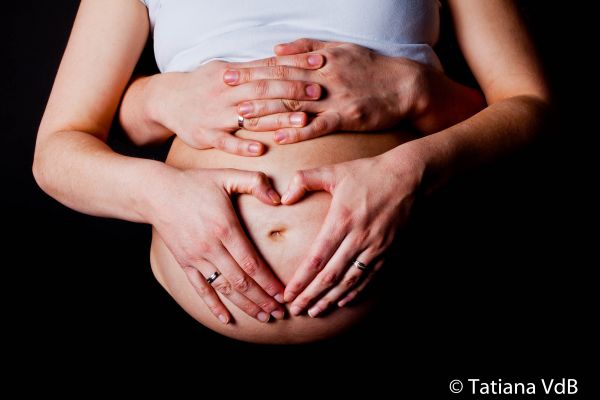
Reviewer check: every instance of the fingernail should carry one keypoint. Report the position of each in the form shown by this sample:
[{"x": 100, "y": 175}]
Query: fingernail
[
  {"x": 276, "y": 200},
  {"x": 254, "y": 148},
  {"x": 315, "y": 59},
  {"x": 246, "y": 109},
  {"x": 342, "y": 303},
  {"x": 277, "y": 314},
  {"x": 231, "y": 76},
  {"x": 313, "y": 312},
  {"x": 263, "y": 316},
  {"x": 297, "y": 119},
  {"x": 280, "y": 136},
  {"x": 223, "y": 319},
  {"x": 279, "y": 298},
  {"x": 312, "y": 91},
  {"x": 295, "y": 310},
  {"x": 285, "y": 198}
]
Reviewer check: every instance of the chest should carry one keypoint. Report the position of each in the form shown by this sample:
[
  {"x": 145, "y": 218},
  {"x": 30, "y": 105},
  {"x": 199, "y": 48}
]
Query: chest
[{"x": 407, "y": 21}]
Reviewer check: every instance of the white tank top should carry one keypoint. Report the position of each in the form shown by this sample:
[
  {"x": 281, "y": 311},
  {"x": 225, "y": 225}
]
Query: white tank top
[{"x": 189, "y": 33}]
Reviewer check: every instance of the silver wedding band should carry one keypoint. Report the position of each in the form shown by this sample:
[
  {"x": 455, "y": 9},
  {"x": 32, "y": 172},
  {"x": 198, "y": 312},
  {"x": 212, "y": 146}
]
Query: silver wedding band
[
  {"x": 241, "y": 121},
  {"x": 213, "y": 277},
  {"x": 361, "y": 266}
]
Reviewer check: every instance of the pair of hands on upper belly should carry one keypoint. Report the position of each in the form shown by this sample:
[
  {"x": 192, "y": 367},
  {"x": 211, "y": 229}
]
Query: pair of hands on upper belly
[{"x": 311, "y": 89}]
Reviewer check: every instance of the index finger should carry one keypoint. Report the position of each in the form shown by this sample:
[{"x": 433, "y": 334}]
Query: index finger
[
  {"x": 328, "y": 240},
  {"x": 245, "y": 255},
  {"x": 304, "y": 60}
]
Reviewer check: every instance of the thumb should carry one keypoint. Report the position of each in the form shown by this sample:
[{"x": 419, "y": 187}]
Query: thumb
[
  {"x": 249, "y": 182},
  {"x": 299, "y": 46},
  {"x": 309, "y": 180}
]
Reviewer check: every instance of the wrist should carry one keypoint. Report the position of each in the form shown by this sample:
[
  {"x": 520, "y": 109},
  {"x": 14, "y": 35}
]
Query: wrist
[
  {"x": 411, "y": 165},
  {"x": 152, "y": 199},
  {"x": 413, "y": 90},
  {"x": 405, "y": 167},
  {"x": 156, "y": 98},
  {"x": 153, "y": 99}
]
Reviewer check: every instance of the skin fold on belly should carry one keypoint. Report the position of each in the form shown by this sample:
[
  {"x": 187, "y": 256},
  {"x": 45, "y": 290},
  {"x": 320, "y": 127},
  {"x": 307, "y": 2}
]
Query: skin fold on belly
[{"x": 281, "y": 234}]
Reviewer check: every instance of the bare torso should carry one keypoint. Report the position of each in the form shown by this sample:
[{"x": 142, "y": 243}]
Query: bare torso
[{"x": 282, "y": 234}]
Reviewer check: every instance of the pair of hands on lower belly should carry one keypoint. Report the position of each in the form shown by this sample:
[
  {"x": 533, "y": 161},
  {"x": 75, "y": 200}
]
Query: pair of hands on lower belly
[{"x": 310, "y": 89}]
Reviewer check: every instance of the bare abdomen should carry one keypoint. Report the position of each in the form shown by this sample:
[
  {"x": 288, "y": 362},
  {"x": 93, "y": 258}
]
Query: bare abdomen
[{"x": 282, "y": 234}]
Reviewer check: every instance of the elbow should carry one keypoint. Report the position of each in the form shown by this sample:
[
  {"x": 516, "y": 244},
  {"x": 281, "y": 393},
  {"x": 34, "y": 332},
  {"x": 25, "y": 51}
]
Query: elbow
[
  {"x": 541, "y": 107},
  {"x": 38, "y": 171},
  {"x": 144, "y": 141},
  {"x": 41, "y": 168}
]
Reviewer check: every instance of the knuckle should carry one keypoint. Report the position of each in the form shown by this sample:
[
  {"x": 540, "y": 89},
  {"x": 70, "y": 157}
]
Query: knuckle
[
  {"x": 298, "y": 178},
  {"x": 259, "y": 178},
  {"x": 215, "y": 309},
  {"x": 294, "y": 288},
  {"x": 241, "y": 284},
  {"x": 220, "y": 142},
  {"x": 267, "y": 305},
  {"x": 329, "y": 279},
  {"x": 245, "y": 75},
  {"x": 316, "y": 263},
  {"x": 356, "y": 112},
  {"x": 293, "y": 136},
  {"x": 291, "y": 105},
  {"x": 222, "y": 231},
  {"x": 251, "y": 122},
  {"x": 320, "y": 125},
  {"x": 353, "y": 46},
  {"x": 249, "y": 264},
  {"x": 200, "y": 249},
  {"x": 223, "y": 287},
  {"x": 187, "y": 259},
  {"x": 281, "y": 72},
  {"x": 240, "y": 147},
  {"x": 302, "y": 301},
  {"x": 361, "y": 238},
  {"x": 271, "y": 62},
  {"x": 283, "y": 121},
  {"x": 350, "y": 281},
  {"x": 335, "y": 52},
  {"x": 260, "y": 107},
  {"x": 270, "y": 288},
  {"x": 203, "y": 290},
  {"x": 262, "y": 88},
  {"x": 345, "y": 215},
  {"x": 294, "y": 89},
  {"x": 352, "y": 295},
  {"x": 250, "y": 308}
]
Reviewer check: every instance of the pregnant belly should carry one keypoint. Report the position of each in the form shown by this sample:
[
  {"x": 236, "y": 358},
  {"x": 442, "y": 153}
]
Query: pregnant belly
[{"x": 282, "y": 234}]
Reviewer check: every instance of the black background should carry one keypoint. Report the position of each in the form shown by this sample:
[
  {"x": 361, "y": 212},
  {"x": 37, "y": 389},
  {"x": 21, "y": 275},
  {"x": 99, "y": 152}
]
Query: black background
[{"x": 495, "y": 282}]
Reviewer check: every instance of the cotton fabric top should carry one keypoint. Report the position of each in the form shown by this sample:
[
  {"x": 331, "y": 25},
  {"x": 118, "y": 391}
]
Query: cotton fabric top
[{"x": 189, "y": 33}]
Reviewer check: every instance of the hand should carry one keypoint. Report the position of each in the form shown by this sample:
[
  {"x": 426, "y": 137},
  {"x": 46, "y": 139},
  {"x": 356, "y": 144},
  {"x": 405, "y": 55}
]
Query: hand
[
  {"x": 371, "y": 200},
  {"x": 365, "y": 91},
  {"x": 202, "y": 110},
  {"x": 193, "y": 213}
]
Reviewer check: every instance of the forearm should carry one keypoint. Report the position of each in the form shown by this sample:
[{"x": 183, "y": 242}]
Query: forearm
[
  {"x": 82, "y": 172},
  {"x": 498, "y": 130},
  {"x": 136, "y": 114}
]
